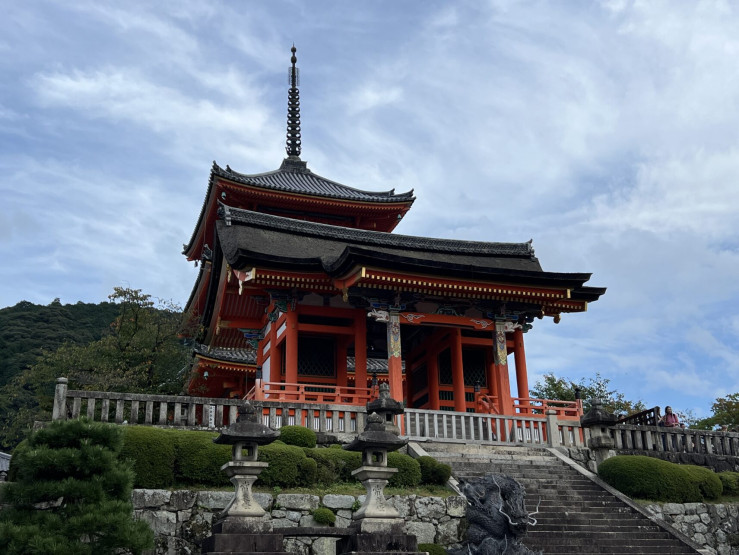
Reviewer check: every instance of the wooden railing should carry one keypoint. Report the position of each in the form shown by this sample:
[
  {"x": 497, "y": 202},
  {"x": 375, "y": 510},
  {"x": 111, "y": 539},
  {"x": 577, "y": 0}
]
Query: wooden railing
[
  {"x": 676, "y": 440},
  {"x": 649, "y": 417},
  {"x": 310, "y": 393}
]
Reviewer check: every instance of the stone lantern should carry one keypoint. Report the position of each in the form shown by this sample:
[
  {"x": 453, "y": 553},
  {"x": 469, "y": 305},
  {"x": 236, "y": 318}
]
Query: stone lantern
[
  {"x": 387, "y": 408},
  {"x": 599, "y": 421},
  {"x": 245, "y": 436}
]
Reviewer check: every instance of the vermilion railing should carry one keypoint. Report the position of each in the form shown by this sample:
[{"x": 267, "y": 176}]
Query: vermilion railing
[
  {"x": 536, "y": 408},
  {"x": 310, "y": 393}
]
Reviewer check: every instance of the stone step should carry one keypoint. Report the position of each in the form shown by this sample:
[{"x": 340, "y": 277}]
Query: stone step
[{"x": 575, "y": 515}]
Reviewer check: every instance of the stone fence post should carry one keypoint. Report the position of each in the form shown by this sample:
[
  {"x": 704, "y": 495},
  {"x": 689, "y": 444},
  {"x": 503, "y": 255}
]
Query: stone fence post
[
  {"x": 552, "y": 429},
  {"x": 60, "y": 400}
]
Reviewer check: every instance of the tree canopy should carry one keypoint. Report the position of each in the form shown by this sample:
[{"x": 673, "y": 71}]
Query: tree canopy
[
  {"x": 563, "y": 389},
  {"x": 141, "y": 351},
  {"x": 725, "y": 413},
  {"x": 27, "y": 329}
]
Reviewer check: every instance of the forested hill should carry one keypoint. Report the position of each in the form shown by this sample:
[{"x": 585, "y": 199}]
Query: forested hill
[{"x": 26, "y": 329}]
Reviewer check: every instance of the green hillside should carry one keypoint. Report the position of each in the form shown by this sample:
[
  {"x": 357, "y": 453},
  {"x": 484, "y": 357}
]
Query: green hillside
[{"x": 26, "y": 329}]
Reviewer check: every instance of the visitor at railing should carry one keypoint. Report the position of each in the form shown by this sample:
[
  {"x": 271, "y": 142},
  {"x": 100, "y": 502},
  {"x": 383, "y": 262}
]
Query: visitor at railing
[{"x": 670, "y": 419}]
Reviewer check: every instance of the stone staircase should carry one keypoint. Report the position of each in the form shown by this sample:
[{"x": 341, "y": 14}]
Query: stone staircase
[{"x": 576, "y": 514}]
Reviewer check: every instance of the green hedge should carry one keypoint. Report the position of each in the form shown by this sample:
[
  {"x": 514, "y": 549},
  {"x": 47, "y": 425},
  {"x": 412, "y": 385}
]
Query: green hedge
[
  {"x": 334, "y": 465},
  {"x": 324, "y": 515},
  {"x": 707, "y": 480},
  {"x": 152, "y": 454},
  {"x": 288, "y": 466},
  {"x": 730, "y": 482},
  {"x": 654, "y": 479},
  {"x": 434, "y": 472},
  {"x": 198, "y": 460},
  {"x": 298, "y": 436},
  {"x": 162, "y": 458},
  {"x": 409, "y": 471}
]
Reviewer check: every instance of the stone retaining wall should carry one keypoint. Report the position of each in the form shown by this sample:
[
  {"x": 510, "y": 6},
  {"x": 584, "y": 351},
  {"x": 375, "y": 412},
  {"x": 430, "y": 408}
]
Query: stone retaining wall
[
  {"x": 714, "y": 526},
  {"x": 182, "y": 519}
]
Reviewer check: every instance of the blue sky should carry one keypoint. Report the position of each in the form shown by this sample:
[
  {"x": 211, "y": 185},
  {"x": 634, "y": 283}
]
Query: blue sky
[{"x": 606, "y": 132}]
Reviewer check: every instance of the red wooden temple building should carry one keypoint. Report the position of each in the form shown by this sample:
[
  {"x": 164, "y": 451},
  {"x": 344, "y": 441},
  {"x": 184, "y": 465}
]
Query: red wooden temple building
[{"x": 304, "y": 293}]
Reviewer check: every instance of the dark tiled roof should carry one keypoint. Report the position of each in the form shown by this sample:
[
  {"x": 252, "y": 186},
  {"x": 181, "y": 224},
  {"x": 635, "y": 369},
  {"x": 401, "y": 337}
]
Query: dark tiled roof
[
  {"x": 244, "y": 356},
  {"x": 295, "y": 177},
  {"x": 240, "y": 356},
  {"x": 373, "y": 238}
]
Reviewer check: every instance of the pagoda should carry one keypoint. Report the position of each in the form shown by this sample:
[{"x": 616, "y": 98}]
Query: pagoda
[{"x": 305, "y": 294}]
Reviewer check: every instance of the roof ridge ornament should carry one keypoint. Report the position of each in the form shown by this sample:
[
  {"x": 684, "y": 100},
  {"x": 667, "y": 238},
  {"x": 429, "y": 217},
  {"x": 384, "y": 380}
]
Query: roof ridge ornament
[{"x": 293, "y": 109}]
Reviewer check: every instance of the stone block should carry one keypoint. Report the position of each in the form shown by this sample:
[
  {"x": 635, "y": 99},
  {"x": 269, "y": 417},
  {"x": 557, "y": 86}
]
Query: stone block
[
  {"x": 214, "y": 500},
  {"x": 673, "y": 509},
  {"x": 700, "y": 528},
  {"x": 447, "y": 532},
  {"x": 323, "y": 546},
  {"x": 343, "y": 521},
  {"x": 691, "y": 519},
  {"x": 145, "y": 498},
  {"x": 401, "y": 504},
  {"x": 279, "y": 513},
  {"x": 333, "y": 501},
  {"x": 430, "y": 508},
  {"x": 299, "y": 501},
  {"x": 163, "y": 523},
  {"x": 197, "y": 528},
  {"x": 297, "y": 545},
  {"x": 425, "y": 532},
  {"x": 284, "y": 523},
  {"x": 293, "y": 515},
  {"x": 307, "y": 521},
  {"x": 692, "y": 508},
  {"x": 456, "y": 506},
  {"x": 182, "y": 499},
  {"x": 705, "y": 518},
  {"x": 264, "y": 500}
]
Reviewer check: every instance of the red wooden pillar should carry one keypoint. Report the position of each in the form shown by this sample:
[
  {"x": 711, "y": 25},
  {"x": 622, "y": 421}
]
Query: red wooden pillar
[
  {"x": 505, "y": 403},
  {"x": 460, "y": 404},
  {"x": 519, "y": 355},
  {"x": 394, "y": 360},
  {"x": 360, "y": 350},
  {"x": 432, "y": 366},
  {"x": 291, "y": 347},
  {"x": 275, "y": 357}
]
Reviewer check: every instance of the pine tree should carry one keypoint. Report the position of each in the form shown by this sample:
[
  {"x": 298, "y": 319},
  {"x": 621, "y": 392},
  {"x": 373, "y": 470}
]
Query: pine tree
[{"x": 71, "y": 495}]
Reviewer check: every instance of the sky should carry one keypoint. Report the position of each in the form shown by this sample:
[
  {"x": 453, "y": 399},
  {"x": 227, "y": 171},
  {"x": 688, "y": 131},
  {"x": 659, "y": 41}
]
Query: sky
[{"x": 607, "y": 132}]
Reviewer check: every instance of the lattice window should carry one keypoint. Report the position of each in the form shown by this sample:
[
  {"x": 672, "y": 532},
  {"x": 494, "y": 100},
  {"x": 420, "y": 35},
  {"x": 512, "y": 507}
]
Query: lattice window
[
  {"x": 469, "y": 397},
  {"x": 446, "y": 396},
  {"x": 474, "y": 367},
  {"x": 445, "y": 367},
  {"x": 316, "y": 356}
]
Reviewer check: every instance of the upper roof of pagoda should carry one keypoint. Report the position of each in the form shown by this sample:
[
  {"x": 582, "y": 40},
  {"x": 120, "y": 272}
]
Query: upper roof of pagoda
[
  {"x": 294, "y": 188},
  {"x": 293, "y": 176}
]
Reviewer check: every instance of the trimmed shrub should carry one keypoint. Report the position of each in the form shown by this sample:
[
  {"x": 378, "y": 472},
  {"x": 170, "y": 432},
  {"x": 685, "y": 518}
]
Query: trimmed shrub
[
  {"x": 298, "y": 436},
  {"x": 730, "y": 482},
  {"x": 324, "y": 515},
  {"x": 152, "y": 455},
  {"x": 706, "y": 479},
  {"x": 288, "y": 466},
  {"x": 409, "y": 471},
  {"x": 334, "y": 465},
  {"x": 650, "y": 478},
  {"x": 434, "y": 472},
  {"x": 198, "y": 460},
  {"x": 432, "y": 548},
  {"x": 71, "y": 468}
]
